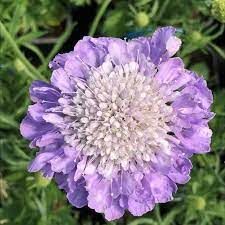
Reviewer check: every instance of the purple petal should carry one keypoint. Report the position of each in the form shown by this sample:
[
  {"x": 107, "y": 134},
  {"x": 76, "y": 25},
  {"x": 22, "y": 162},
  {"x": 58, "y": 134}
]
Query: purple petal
[
  {"x": 172, "y": 74},
  {"x": 89, "y": 53},
  {"x": 139, "y": 47},
  {"x": 62, "y": 164},
  {"x": 49, "y": 138},
  {"x": 31, "y": 129},
  {"x": 41, "y": 91},
  {"x": 41, "y": 159},
  {"x": 78, "y": 197},
  {"x": 127, "y": 183},
  {"x": 164, "y": 44},
  {"x": 47, "y": 172},
  {"x": 60, "y": 59},
  {"x": 61, "y": 180},
  {"x": 80, "y": 168},
  {"x": 61, "y": 80},
  {"x": 99, "y": 197},
  {"x": 162, "y": 187},
  {"x": 141, "y": 201},
  {"x": 118, "y": 51},
  {"x": 76, "y": 68},
  {"x": 196, "y": 138},
  {"x": 114, "y": 211},
  {"x": 180, "y": 171}
]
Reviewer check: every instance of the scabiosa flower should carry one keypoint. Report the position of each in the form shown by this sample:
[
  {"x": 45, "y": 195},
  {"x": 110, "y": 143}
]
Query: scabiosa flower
[{"x": 118, "y": 122}]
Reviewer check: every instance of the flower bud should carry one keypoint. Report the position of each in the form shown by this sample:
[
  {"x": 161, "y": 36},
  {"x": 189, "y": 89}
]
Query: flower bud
[
  {"x": 199, "y": 203},
  {"x": 41, "y": 181},
  {"x": 218, "y": 10},
  {"x": 19, "y": 65},
  {"x": 142, "y": 19},
  {"x": 196, "y": 36}
]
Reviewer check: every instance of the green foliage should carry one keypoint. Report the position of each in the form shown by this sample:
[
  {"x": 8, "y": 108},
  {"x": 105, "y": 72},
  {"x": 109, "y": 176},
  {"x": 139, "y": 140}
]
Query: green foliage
[
  {"x": 32, "y": 32},
  {"x": 115, "y": 24}
]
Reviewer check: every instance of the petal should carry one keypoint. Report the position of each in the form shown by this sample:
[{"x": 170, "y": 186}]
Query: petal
[
  {"x": 31, "y": 129},
  {"x": 138, "y": 47},
  {"x": 189, "y": 110},
  {"x": 42, "y": 91},
  {"x": 62, "y": 164},
  {"x": 61, "y": 80},
  {"x": 173, "y": 45},
  {"x": 114, "y": 211},
  {"x": 123, "y": 201},
  {"x": 54, "y": 118},
  {"x": 50, "y": 137},
  {"x": 127, "y": 183},
  {"x": 89, "y": 53},
  {"x": 118, "y": 51},
  {"x": 164, "y": 44},
  {"x": 61, "y": 180},
  {"x": 196, "y": 138},
  {"x": 172, "y": 74},
  {"x": 41, "y": 159},
  {"x": 202, "y": 93},
  {"x": 141, "y": 201},
  {"x": 99, "y": 197},
  {"x": 36, "y": 111},
  {"x": 78, "y": 197},
  {"x": 75, "y": 68},
  {"x": 60, "y": 59},
  {"x": 80, "y": 168},
  {"x": 47, "y": 172},
  {"x": 162, "y": 187},
  {"x": 180, "y": 170}
]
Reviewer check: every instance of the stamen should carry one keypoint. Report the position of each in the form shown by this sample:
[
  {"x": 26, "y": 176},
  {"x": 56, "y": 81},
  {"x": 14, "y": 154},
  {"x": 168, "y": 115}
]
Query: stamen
[{"x": 123, "y": 115}]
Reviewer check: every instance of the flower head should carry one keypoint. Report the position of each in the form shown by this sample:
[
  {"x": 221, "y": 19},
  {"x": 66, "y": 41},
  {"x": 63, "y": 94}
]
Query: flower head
[{"x": 118, "y": 122}]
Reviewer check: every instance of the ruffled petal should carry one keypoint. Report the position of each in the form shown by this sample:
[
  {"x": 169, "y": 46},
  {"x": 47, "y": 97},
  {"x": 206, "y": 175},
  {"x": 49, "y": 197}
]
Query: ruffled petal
[
  {"x": 32, "y": 129},
  {"x": 164, "y": 44},
  {"x": 115, "y": 211},
  {"x": 162, "y": 187},
  {"x": 77, "y": 69},
  {"x": 62, "y": 81},
  {"x": 42, "y": 159},
  {"x": 78, "y": 195},
  {"x": 99, "y": 197},
  {"x": 172, "y": 74},
  {"x": 47, "y": 172},
  {"x": 180, "y": 170},
  {"x": 89, "y": 53},
  {"x": 60, "y": 59},
  {"x": 118, "y": 51},
  {"x": 42, "y": 91},
  {"x": 196, "y": 139},
  {"x": 139, "y": 47},
  {"x": 141, "y": 201}
]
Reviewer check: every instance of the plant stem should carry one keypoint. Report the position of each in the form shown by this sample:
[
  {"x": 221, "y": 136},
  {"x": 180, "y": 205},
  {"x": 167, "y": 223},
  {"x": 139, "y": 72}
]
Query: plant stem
[
  {"x": 98, "y": 17},
  {"x": 60, "y": 42},
  {"x": 162, "y": 9},
  {"x": 34, "y": 74},
  {"x": 158, "y": 215}
]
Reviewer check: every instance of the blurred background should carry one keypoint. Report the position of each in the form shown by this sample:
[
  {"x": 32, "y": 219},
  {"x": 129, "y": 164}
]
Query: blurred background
[{"x": 32, "y": 32}]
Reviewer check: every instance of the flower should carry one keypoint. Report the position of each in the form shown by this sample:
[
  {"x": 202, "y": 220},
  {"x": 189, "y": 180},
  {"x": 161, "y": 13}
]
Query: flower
[
  {"x": 218, "y": 10},
  {"x": 118, "y": 122}
]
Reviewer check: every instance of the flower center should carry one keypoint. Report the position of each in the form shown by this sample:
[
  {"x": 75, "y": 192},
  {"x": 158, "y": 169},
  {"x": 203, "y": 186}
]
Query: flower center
[{"x": 118, "y": 117}]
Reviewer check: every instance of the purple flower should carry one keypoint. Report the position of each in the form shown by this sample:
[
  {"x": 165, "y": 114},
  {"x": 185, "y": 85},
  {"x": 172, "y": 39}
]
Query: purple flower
[{"x": 118, "y": 122}]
